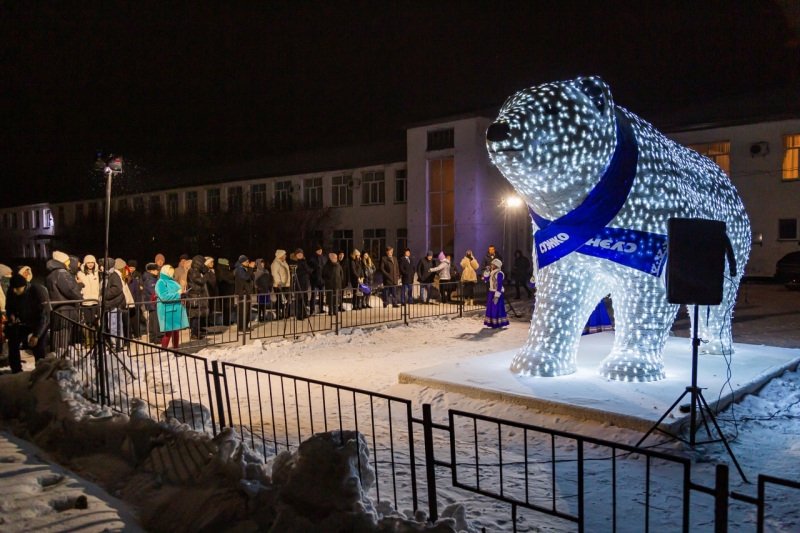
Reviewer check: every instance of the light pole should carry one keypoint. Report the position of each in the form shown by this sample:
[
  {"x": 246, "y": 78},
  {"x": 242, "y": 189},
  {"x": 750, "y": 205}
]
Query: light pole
[
  {"x": 513, "y": 202},
  {"x": 111, "y": 169}
]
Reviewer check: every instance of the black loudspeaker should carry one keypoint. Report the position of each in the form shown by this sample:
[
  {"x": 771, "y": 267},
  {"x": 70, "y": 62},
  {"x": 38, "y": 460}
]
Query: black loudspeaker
[{"x": 696, "y": 250}]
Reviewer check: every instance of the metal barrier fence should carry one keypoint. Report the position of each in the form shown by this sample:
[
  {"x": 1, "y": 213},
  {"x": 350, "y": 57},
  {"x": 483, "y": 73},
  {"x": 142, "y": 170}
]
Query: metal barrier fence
[{"x": 572, "y": 479}]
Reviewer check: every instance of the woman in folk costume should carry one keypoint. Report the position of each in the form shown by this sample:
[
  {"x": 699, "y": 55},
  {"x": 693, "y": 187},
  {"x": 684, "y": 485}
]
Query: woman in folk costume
[{"x": 496, "y": 316}]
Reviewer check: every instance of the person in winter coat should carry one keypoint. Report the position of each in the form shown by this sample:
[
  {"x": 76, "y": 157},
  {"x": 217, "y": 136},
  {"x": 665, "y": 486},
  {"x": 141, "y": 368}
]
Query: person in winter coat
[
  {"x": 226, "y": 288},
  {"x": 211, "y": 285},
  {"x": 369, "y": 274},
  {"x": 425, "y": 276},
  {"x": 469, "y": 277},
  {"x": 490, "y": 256},
  {"x": 496, "y": 316},
  {"x": 112, "y": 286},
  {"x": 197, "y": 296},
  {"x": 316, "y": 263},
  {"x": 181, "y": 271},
  {"x": 390, "y": 269},
  {"x": 520, "y": 273},
  {"x": 443, "y": 269},
  {"x": 407, "y": 273},
  {"x": 62, "y": 286},
  {"x": 343, "y": 262},
  {"x": 281, "y": 282},
  {"x": 149, "y": 280},
  {"x": 243, "y": 275},
  {"x": 334, "y": 283},
  {"x": 171, "y": 312},
  {"x": 302, "y": 282},
  {"x": 5, "y": 280},
  {"x": 135, "y": 314},
  {"x": 27, "y": 320},
  {"x": 26, "y": 273},
  {"x": 88, "y": 275},
  {"x": 124, "y": 329},
  {"x": 356, "y": 275},
  {"x": 263, "y": 285}
]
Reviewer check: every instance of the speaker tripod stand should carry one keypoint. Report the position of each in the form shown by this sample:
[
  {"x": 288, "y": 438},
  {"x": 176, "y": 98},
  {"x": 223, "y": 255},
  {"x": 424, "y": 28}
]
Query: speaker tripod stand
[{"x": 698, "y": 404}]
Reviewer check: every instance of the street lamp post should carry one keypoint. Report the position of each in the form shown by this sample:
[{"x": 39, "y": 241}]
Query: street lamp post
[{"x": 513, "y": 202}]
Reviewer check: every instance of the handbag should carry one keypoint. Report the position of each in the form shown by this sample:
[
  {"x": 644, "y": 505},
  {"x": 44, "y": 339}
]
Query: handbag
[{"x": 364, "y": 288}]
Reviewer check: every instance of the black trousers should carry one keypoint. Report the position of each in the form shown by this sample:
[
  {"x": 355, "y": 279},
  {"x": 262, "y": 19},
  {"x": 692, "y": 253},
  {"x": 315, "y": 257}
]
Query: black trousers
[
  {"x": 18, "y": 337},
  {"x": 332, "y": 301}
]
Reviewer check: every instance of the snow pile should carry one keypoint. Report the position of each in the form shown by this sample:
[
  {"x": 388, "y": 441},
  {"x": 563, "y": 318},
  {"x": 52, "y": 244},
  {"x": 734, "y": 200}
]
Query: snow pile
[{"x": 183, "y": 479}]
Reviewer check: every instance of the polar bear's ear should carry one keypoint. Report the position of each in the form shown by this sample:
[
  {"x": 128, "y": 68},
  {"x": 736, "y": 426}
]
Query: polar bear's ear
[{"x": 598, "y": 92}]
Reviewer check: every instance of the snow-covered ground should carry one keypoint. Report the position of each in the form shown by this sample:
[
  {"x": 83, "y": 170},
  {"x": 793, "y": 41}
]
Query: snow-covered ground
[{"x": 767, "y": 427}]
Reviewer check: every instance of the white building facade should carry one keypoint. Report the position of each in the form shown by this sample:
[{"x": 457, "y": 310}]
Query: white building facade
[{"x": 445, "y": 195}]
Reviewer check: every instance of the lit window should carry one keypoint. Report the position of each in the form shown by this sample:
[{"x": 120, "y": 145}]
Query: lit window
[
  {"x": 719, "y": 152},
  {"x": 342, "y": 190},
  {"x": 373, "y": 188},
  {"x": 787, "y": 229},
  {"x": 791, "y": 157}
]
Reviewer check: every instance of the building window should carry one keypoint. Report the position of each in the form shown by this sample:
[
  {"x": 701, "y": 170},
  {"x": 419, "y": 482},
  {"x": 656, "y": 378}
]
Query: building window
[
  {"x": 787, "y": 229},
  {"x": 283, "y": 194},
  {"x": 402, "y": 240},
  {"x": 235, "y": 199},
  {"x": 258, "y": 197},
  {"x": 212, "y": 201},
  {"x": 47, "y": 219},
  {"x": 25, "y": 221},
  {"x": 441, "y": 139},
  {"x": 79, "y": 213},
  {"x": 719, "y": 152},
  {"x": 400, "y": 186},
  {"x": 791, "y": 157},
  {"x": 191, "y": 202},
  {"x": 172, "y": 205},
  {"x": 155, "y": 205},
  {"x": 373, "y": 188},
  {"x": 312, "y": 192},
  {"x": 374, "y": 241},
  {"x": 138, "y": 204},
  {"x": 62, "y": 216},
  {"x": 441, "y": 205},
  {"x": 343, "y": 240},
  {"x": 342, "y": 190}
]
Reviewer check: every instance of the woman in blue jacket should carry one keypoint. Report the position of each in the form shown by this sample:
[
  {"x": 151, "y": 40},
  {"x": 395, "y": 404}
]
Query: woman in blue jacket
[{"x": 171, "y": 312}]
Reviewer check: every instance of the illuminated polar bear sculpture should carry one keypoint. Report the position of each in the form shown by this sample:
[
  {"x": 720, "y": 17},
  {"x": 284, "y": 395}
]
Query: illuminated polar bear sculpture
[{"x": 600, "y": 184}]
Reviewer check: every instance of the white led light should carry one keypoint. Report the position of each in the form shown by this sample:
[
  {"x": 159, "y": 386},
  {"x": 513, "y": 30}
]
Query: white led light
[{"x": 562, "y": 138}]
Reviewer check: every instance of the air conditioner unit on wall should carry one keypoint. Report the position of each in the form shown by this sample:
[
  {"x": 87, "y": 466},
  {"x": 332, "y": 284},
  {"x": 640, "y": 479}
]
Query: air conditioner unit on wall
[
  {"x": 759, "y": 149},
  {"x": 354, "y": 183}
]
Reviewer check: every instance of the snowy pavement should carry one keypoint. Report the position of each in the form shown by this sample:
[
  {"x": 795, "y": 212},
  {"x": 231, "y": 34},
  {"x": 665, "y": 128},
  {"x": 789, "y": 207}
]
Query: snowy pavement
[{"x": 38, "y": 495}]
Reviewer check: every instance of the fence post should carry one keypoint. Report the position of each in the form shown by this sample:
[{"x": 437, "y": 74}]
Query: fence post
[
  {"x": 336, "y": 301},
  {"x": 430, "y": 466},
  {"x": 461, "y": 299},
  {"x": 721, "y": 500},
  {"x": 407, "y": 305},
  {"x": 241, "y": 321},
  {"x": 218, "y": 393}
]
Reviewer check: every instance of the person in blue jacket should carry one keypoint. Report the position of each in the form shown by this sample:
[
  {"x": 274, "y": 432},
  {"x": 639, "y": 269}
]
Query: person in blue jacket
[{"x": 171, "y": 311}]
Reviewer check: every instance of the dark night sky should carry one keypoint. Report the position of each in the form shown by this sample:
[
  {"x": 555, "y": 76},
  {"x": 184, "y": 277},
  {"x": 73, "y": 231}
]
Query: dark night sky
[{"x": 172, "y": 87}]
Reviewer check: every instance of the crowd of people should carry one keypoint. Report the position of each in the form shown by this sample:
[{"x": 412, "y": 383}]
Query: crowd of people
[{"x": 161, "y": 300}]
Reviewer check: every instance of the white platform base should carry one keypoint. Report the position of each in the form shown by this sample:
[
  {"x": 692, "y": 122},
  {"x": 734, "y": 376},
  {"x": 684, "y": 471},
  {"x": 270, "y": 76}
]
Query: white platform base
[{"x": 586, "y": 395}]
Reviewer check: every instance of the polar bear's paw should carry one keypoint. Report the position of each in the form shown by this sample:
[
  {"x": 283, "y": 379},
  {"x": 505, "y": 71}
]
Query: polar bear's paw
[
  {"x": 629, "y": 366},
  {"x": 529, "y": 362}
]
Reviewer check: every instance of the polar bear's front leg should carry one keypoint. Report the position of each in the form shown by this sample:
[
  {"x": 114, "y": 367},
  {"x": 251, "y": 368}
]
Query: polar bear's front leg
[
  {"x": 566, "y": 294},
  {"x": 642, "y": 320}
]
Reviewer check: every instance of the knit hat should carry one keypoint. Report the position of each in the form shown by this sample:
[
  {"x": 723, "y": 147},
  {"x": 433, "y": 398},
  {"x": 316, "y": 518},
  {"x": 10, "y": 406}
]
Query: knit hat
[
  {"x": 317, "y": 247},
  {"x": 133, "y": 263},
  {"x": 119, "y": 263},
  {"x": 151, "y": 266},
  {"x": 223, "y": 261},
  {"x": 159, "y": 257},
  {"x": 208, "y": 260},
  {"x": 497, "y": 263},
  {"x": 333, "y": 257},
  {"x": 442, "y": 257},
  {"x": 61, "y": 257},
  {"x": 185, "y": 257},
  {"x": 89, "y": 259},
  {"x": 17, "y": 281},
  {"x": 243, "y": 259},
  {"x": 279, "y": 253},
  {"x": 429, "y": 252},
  {"x": 4, "y": 271},
  {"x": 298, "y": 251},
  {"x": 165, "y": 269},
  {"x": 356, "y": 252}
]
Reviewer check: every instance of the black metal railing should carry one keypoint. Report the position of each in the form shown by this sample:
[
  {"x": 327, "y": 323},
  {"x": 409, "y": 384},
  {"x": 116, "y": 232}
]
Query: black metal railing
[{"x": 571, "y": 480}]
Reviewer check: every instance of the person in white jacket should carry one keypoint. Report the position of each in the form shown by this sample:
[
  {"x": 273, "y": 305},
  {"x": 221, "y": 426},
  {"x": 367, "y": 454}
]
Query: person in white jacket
[
  {"x": 443, "y": 269},
  {"x": 89, "y": 276},
  {"x": 281, "y": 282}
]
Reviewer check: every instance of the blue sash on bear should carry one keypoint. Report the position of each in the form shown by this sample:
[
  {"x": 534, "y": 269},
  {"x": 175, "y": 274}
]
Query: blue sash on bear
[{"x": 584, "y": 228}]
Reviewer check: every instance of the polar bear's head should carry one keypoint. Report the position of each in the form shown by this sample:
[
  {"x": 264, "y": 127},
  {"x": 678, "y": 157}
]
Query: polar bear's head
[{"x": 554, "y": 141}]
